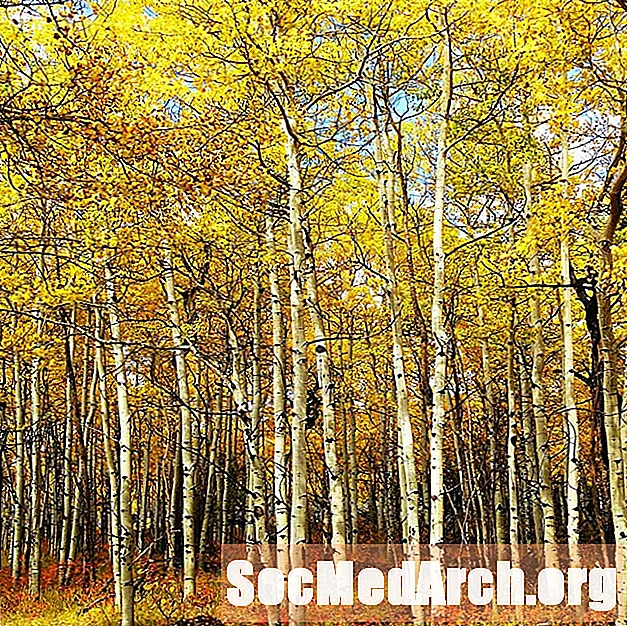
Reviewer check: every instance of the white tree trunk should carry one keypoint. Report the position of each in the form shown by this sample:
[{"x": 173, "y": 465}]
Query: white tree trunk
[
  {"x": 281, "y": 426},
  {"x": 211, "y": 485},
  {"x": 531, "y": 457},
  {"x": 66, "y": 524},
  {"x": 34, "y": 580},
  {"x": 408, "y": 481},
  {"x": 18, "y": 512},
  {"x": 258, "y": 477},
  {"x": 296, "y": 249},
  {"x": 189, "y": 489},
  {"x": 437, "y": 322},
  {"x": 570, "y": 403},
  {"x": 512, "y": 437},
  {"x": 537, "y": 387},
  {"x": 67, "y": 478},
  {"x": 126, "y": 457},
  {"x": 111, "y": 461},
  {"x": 298, "y": 517},
  {"x": 325, "y": 382},
  {"x": 303, "y": 266}
]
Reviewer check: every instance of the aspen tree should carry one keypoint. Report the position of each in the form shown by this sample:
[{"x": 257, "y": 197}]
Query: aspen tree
[
  {"x": 143, "y": 502},
  {"x": 407, "y": 466},
  {"x": 296, "y": 247},
  {"x": 258, "y": 510},
  {"x": 512, "y": 437},
  {"x": 500, "y": 534},
  {"x": 406, "y": 463},
  {"x": 110, "y": 458},
  {"x": 325, "y": 381},
  {"x": 250, "y": 421},
  {"x": 125, "y": 454},
  {"x": 350, "y": 437},
  {"x": 66, "y": 525},
  {"x": 189, "y": 489},
  {"x": 611, "y": 412},
  {"x": 537, "y": 386},
  {"x": 226, "y": 487},
  {"x": 281, "y": 426},
  {"x": 302, "y": 253},
  {"x": 570, "y": 404},
  {"x": 19, "y": 507},
  {"x": 175, "y": 538},
  {"x": 531, "y": 457},
  {"x": 296, "y": 250},
  {"x": 211, "y": 486},
  {"x": 34, "y": 580},
  {"x": 437, "y": 321}
]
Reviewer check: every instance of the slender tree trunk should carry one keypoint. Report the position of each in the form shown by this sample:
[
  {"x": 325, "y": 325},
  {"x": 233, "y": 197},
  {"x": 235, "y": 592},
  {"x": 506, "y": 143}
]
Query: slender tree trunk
[
  {"x": 111, "y": 461},
  {"x": 226, "y": 483},
  {"x": 298, "y": 268},
  {"x": 408, "y": 481},
  {"x": 531, "y": 457},
  {"x": 34, "y": 582},
  {"x": 570, "y": 403},
  {"x": 537, "y": 389},
  {"x": 325, "y": 381},
  {"x": 298, "y": 514},
  {"x": 175, "y": 539},
  {"x": 75, "y": 525},
  {"x": 18, "y": 513},
  {"x": 281, "y": 426},
  {"x": 250, "y": 420},
  {"x": 500, "y": 534},
  {"x": 439, "y": 282},
  {"x": 610, "y": 367},
  {"x": 126, "y": 457},
  {"x": 66, "y": 523},
  {"x": 189, "y": 547},
  {"x": 612, "y": 417},
  {"x": 304, "y": 272},
  {"x": 258, "y": 478},
  {"x": 145, "y": 488},
  {"x": 422, "y": 361},
  {"x": 353, "y": 471},
  {"x": 512, "y": 438},
  {"x": 211, "y": 486}
]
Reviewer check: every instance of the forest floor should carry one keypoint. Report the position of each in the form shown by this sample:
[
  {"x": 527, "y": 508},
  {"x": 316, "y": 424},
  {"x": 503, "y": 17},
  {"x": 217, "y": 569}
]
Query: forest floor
[{"x": 158, "y": 600}]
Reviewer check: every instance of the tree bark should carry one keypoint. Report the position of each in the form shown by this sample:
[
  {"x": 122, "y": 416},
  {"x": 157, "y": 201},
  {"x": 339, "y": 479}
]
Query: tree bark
[
  {"x": 570, "y": 403},
  {"x": 408, "y": 482},
  {"x": 609, "y": 360},
  {"x": 125, "y": 455},
  {"x": 439, "y": 282},
  {"x": 512, "y": 438},
  {"x": 67, "y": 509},
  {"x": 327, "y": 387},
  {"x": 500, "y": 533},
  {"x": 189, "y": 489},
  {"x": 111, "y": 461},
  {"x": 211, "y": 485},
  {"x": 34, "y": 581},
  {"x": 537, "y": 388},
  {"x": 298, "y": 517},
  {"x": 281, "y": 426},
  {"x": 18, "y": 512}
]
